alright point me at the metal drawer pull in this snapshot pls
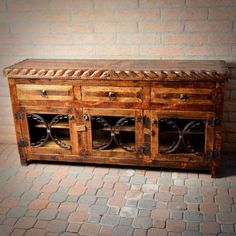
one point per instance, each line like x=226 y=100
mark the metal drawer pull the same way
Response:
x=183 y=96
x=111 y=95
x=85 y=117
x=43 y=92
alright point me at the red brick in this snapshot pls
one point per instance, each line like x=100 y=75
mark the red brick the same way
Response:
x=229 y=147
x=68 y=206
x=65 y=28
x=2 y=6
x=114 y=4
x=138 y=39
x=73 y=227
x=156 y=231
x=42 y=50
x=4 y=210
x=207 y=50
x=12 y=39
x=100 y=171
x=77 y=189
x=160 y=3
x=115 y=27
x=160 y=214
x=178 y=190
x=188 y=39
x=140 y=232
x=71 y=4
x=92 y=15
x=25 y=223
x=18 y=232
x=208 y=26
x=160 y=51
x=175 y=225
x=78 y=216
x=231 y=139
x=72 y=51
x=184 y=13
x=222 y=13
x=116 y=201
x=51 y=39
x=117 y=50
x=121 y=186
x=36 y=5
x=229 y=38
x=67 y=182
x=50 y=188
x=34 y=174
x=10 y=202
x=38 y=204
x=160 y=27
x=41 y=224
x=210 y=3
x=44 y=196
x=94 y=38
x=137 y=14
x=209 y=228
x=10 y=221
x=106 y=230
x=231 y=107
x=36 y=232
x=230 y=85
x=89 y=229
x=52 y=16
x=54 y=205
x=4 y=28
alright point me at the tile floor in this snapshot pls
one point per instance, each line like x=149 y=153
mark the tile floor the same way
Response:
x=55 y=199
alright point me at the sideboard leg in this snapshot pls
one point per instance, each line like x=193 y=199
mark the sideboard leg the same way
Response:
x=215 y=171
x=23 y=161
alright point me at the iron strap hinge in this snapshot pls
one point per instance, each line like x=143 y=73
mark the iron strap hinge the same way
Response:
x=213 y=154
x=22 y=143
x=144 y=149
x=144 y=120
x=215 y=122
x=19 y=115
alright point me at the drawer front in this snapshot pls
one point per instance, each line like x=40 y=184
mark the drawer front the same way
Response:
x=111 y=94
x=201 y=96
x=44 y=92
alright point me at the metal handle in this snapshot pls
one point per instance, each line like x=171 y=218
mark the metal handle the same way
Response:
x=155 y=122
x=85 y=117
x=43 y=92
x=183 y=96
x=111 y=95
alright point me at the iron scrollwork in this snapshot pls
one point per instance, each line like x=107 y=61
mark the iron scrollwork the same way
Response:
x=114 y=133
x=176 y=135
x=48 y=131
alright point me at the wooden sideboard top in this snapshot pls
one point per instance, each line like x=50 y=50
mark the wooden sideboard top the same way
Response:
x=176 y=70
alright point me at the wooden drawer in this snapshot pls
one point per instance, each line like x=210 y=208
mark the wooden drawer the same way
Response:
x=111 y=94
x=44 y=92
x=201 y=96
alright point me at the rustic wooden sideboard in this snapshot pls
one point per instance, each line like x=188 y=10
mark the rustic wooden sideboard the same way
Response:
x=158 y=113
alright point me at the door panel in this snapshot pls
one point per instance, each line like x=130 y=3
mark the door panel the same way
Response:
x=183 y=138
x=112 y=133
x=50 y=131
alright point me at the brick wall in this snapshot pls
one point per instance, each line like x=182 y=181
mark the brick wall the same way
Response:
x=149 y=29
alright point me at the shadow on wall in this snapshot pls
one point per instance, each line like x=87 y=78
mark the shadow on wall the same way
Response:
x=229 y=123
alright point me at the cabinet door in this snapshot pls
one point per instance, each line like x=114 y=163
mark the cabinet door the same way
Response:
x=115 y=135
x=180 y=137
x=49 y=132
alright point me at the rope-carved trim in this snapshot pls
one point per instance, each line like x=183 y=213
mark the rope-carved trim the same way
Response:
x=117 y=75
